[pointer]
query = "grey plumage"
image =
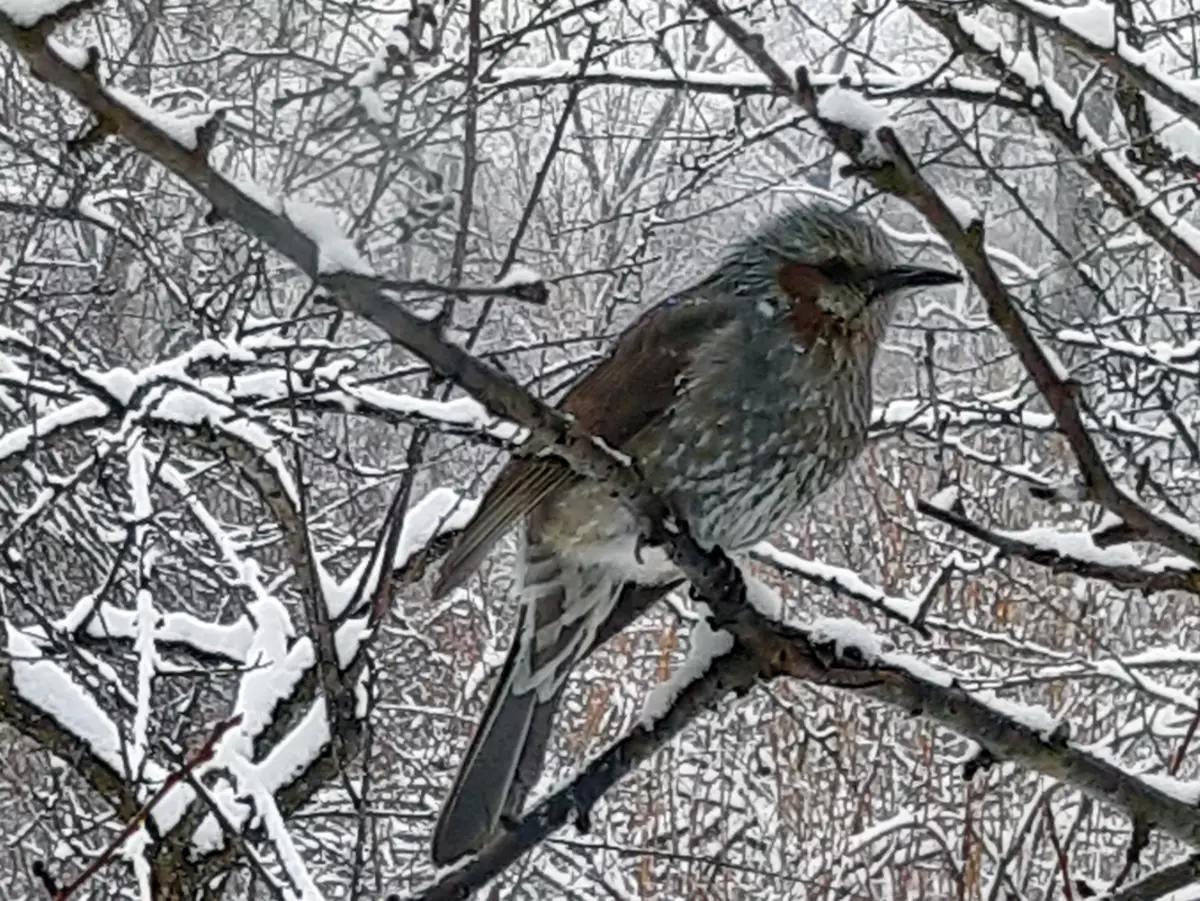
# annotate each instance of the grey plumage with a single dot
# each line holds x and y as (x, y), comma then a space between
(742, 399)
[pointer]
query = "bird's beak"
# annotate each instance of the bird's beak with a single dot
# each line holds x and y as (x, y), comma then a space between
(901, 277)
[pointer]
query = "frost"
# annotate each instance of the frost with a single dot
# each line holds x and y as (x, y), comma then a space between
(846, 634)
(335, 251)
(705, 647)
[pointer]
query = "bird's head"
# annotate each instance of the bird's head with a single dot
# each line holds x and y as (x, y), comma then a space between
(820, 269)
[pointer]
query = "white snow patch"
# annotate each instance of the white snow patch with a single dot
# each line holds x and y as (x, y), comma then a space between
(180, 128)
(27, 13)
(918, 668)
(1093, 21)
(903, 820)
(441, 510)
(1032, 716)
(835, 578)
(945, 499)
(852, 110)
(1178, 135)
(845, 634)
(1186, 791)
(963, 210)
(48, 687)
(763, 598)
(520, 275)
(68, 53)
(1076, 545)
(705, 647)
(335, 251)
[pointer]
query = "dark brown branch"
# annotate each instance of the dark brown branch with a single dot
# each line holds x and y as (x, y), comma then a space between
(1131, 577)
(768, 650)
(1092, 159)
(203, 755)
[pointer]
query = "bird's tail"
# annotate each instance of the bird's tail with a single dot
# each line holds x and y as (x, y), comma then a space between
(507, 752)
(501, 765)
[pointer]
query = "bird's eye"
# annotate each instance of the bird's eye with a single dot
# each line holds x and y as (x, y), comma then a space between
(838, 271)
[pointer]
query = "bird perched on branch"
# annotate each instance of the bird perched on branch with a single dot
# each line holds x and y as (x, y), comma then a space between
(742, 399)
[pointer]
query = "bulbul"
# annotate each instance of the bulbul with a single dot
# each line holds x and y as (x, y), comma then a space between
(742, 399)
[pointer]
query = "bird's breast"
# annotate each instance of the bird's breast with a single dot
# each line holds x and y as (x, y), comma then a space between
(741, 454)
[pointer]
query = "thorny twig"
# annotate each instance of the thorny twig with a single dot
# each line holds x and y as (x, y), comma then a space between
(202, 755)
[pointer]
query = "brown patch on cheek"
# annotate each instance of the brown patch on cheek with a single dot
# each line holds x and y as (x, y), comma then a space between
(807, 319)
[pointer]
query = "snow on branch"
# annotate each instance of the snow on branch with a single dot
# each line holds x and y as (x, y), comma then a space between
(1096, 30)
(847, 655)
(1055, 111)
(1076, 553)
(742, 83)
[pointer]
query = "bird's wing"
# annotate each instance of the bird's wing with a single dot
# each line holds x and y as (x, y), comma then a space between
(631, 388)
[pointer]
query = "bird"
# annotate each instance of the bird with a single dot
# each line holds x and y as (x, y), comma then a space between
(741, 399)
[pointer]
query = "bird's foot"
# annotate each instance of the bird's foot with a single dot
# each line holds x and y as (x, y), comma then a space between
(719, 618)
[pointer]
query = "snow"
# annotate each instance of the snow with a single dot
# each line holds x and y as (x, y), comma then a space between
(441, 510)
(1075, 545)
(1094, 21)
(763, 598)
(945, 499)
(68, 53)
(230, 641)
(147, 655)
(835, 578)
(846, 634)
(520, 275)
(268, 200)
(918, 668)
(27, 13)
(964, 211)
(852, 110)
(1024, 66)
(294, 753)
(272, 669)
(48, 687)
(1185, 790)
(1033, 717)
(180, 128)
(705, 647)
(251, 786)
(335, 250)
(902, 820)
(1179, 136)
